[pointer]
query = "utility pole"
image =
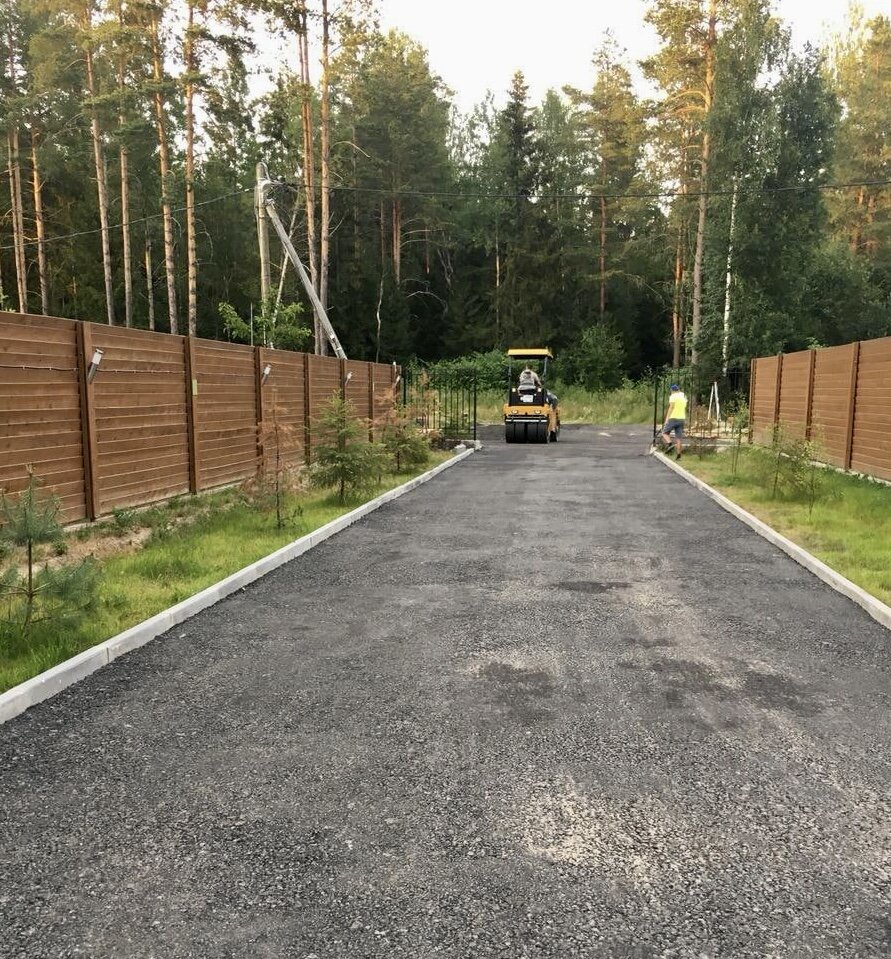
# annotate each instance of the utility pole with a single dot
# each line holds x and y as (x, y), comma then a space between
(265, 201)
(725, 343)
(263, 230)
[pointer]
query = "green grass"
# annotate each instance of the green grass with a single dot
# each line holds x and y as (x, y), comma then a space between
(849, 527)
(631, 403)
(219, 535)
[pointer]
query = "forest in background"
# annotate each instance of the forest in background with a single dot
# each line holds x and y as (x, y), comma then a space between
(744, 210)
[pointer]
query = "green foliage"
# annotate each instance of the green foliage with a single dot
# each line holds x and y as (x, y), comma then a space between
(58, 593)
(488, 370)
(790, 468)
(343, 456)
(276, 325)
(598, 362)
(123, 520)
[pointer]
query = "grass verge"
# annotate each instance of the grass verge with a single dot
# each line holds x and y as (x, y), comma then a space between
(191, 544)
(631, 403)
(848, 528)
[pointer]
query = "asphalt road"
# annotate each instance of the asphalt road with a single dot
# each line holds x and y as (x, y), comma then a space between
(554, 703)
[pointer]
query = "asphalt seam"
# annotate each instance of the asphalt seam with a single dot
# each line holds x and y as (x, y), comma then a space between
(875, 607)
(47, 684)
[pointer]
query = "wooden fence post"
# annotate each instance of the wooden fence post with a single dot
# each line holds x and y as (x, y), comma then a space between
(776, 399)
(307, 409)
(87, 420)
(809, 397)
(370, 402)
(852, 404)
(191, 412)
(342, 372)
(753, 367)
(258, 403)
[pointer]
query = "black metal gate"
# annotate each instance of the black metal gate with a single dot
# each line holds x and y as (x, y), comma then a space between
(441, 404)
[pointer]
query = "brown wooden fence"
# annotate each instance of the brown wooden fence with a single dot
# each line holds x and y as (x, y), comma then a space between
(164, 415)
(839, 397)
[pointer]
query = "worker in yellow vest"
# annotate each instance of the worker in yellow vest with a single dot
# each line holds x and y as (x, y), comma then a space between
(675, 417)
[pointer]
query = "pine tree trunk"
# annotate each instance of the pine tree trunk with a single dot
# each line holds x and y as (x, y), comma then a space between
(309, 167)
(101, 182)
(40, 224)
(164, 160)
(677, 321)
(18, 218)
(397, 240)
(191, 245)
(710, 43)
(125, 183)
(602, 258)
(149, 283)
(497, 285)
(325, 150)
(15, 183)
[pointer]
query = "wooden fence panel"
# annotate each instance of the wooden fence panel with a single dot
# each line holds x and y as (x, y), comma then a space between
(386, 392)
(226, 415)
(357, 389)
(142, 437)
(40, 409)
(794, 394)
(325, 382)
(164, 414)
(870, 444)
(764, 398)
(283, 410)
(829, 407)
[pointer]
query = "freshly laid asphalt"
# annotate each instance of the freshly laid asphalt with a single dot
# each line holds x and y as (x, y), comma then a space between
(555, 703)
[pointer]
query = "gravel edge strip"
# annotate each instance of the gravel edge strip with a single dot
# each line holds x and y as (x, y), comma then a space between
(46, 684)
(875, 607)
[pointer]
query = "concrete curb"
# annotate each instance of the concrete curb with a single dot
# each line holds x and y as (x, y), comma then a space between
(875, 607)
(35, 690)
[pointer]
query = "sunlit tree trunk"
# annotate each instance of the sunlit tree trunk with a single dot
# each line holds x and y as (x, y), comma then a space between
(125, 180)
(710, 44)
(309, 186)
(39, 223)
(149, 283)
(164, 160)
(101, 173)
(191, 68)
(325, 151)
(18, 219)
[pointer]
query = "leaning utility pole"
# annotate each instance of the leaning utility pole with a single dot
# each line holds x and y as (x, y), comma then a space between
(265, 200)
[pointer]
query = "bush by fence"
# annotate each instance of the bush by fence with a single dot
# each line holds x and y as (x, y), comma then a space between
(163, 415)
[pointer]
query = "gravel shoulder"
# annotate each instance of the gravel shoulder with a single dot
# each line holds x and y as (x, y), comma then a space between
(555, 703)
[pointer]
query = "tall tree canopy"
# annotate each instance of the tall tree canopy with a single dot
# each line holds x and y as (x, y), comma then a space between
(707, 224)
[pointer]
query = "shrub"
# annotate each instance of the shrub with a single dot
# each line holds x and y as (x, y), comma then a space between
(404, 442)
(61, 593)
(344, 458)
(598, 362)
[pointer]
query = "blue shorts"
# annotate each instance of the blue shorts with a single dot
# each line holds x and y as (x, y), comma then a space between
(676, 427)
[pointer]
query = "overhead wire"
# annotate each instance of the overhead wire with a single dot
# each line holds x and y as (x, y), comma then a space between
(579, 196)
(136, 220)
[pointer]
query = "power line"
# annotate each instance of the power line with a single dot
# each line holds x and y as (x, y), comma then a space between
(137, 220)
(461, 195)
(655, 195)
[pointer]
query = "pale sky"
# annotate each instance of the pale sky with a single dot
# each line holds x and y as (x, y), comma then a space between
(476, 45)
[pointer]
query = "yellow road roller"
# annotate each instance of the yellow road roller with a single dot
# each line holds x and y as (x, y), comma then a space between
(530, 413)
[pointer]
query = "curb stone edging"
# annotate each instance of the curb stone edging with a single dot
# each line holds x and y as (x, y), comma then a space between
(46, 684)
(875, 607)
